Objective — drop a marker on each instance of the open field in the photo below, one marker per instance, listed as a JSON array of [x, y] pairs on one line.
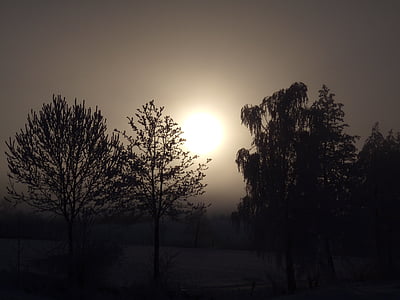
[[192, 267], [218, 273]]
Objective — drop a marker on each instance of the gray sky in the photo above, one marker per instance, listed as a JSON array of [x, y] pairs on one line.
[[199, 55]]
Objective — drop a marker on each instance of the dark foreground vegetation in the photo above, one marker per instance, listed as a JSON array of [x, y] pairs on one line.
[[311, 196], [118, 265], [117, 219]]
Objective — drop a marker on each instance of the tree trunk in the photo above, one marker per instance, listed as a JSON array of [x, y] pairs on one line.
[[331, 264], [390, 251], [196, 234], [70, 252], [290, 276], [156, 262], [19, 250], [378, 243]]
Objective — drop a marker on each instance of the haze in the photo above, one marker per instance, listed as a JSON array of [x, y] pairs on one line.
[[193, 56]]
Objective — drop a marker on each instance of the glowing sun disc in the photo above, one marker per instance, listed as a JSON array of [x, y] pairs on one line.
[[203, 133]]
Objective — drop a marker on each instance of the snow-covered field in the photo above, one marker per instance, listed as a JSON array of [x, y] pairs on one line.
[[191, 267], [228, 274]]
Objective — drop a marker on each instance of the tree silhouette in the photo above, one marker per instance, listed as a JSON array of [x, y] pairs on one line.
[[163, 175], [297, 175], [276, 125], [66, 163], [379, 164], [331, 160], [195, 220]]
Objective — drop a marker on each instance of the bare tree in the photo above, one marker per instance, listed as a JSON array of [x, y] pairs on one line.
[[67, 163], [162, 173]]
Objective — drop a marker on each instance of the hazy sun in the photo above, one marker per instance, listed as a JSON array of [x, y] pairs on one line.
[[203, 133]]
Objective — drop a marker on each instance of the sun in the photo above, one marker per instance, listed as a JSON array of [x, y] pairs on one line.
[[202, 132]]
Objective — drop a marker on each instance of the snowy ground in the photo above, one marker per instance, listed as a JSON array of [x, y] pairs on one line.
[[191, 267], [220, 273], [357, 291]]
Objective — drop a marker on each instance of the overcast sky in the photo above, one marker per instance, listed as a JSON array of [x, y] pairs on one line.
[[199, 55]]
